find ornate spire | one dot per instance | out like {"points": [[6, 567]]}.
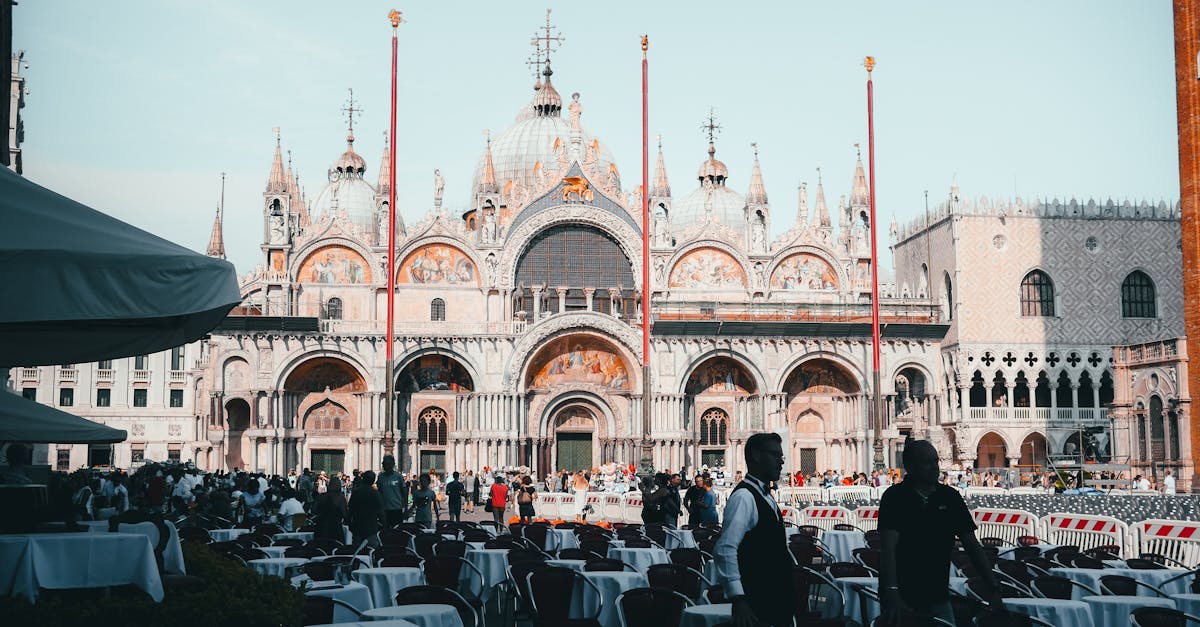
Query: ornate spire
{"points": [[487, 183], [758, 192], [546, 101], [822, 211], [712, 171], [860, 196], [294, 194], [383, 184], [277, 183], [802, 207], [216, 241], [660, 187]]}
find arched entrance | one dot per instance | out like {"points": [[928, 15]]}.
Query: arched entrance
{"points": [[827, 415], [574, 437], [991, 452], [1033, 450], [715, 390], [237, 420], [324, 397]]}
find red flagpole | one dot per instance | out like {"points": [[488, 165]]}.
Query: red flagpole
{"points": [[878, 395], [647, 459], [389, 438]]}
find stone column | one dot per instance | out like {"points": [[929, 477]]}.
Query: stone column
{"points": [[1074, 394], [587, 296], [562, 298], [537, 302]]}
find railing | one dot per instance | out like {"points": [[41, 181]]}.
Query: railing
{"points": [[372, 327], [1147, 352], [141, 376], [68, 375], [1036, 414], [30, 374], [106, 376], [794, 312], [177, 376]]}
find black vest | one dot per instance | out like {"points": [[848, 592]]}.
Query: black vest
{"points": [[765, 564]]}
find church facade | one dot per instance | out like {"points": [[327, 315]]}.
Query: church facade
{"points": [[519, 326]]}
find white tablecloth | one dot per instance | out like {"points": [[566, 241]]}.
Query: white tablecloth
{"points": [[274, 551], [561, 539], [1187, 603], [1055, 611], [583, 601], [383, 582], [365, 559], [1091, 578], [842, 544], [492, 564], [426, 615], [680, 539], [371, 623], [353, 593], [77, 560], [851, 607], [640, 559], [1113, 611], [172, 553], [225, 535], [275, 566], [706, 615], [576, 565], [303, 536], [1007, 552]]}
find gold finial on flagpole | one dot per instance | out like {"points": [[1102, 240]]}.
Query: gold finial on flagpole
{"points": [[645, 44], [394, 16], [869, 63]]}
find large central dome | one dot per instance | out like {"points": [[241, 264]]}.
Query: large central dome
{"points": [[533, 144]]}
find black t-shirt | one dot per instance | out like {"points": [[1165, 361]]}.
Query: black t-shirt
{"points": [[927, 530]]}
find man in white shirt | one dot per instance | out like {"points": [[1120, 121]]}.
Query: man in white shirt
{"points": [[288, 508], [1142, 483], [1169, 483], [753, 563]]}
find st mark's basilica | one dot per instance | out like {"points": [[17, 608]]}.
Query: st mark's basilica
{"points": [[1014, 330]]}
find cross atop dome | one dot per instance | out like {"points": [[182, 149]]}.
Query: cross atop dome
{"points": [[350, 110], [550, 40], [710, 127]]}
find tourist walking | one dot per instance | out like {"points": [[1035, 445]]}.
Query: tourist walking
{"points": [[454, 498], [753, 563], [330, 511], [366, 511], [671, 505], [425, 503], [471, 489], [394, 492], [580, 486], [525, 497], [498, 499], [918, 521]]}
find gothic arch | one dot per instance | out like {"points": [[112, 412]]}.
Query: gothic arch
{"points": [[521, 236], [465, 362], [545, 421], [352, 379], [1004, 436], [919, 367], [580, 359], [536, 335], [236, 373], [755, 374], [856, 374], [285, 370]]}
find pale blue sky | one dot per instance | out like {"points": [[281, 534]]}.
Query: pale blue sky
{"points": [[135, 107]]}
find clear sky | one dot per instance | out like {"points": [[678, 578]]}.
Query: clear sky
{"points": [[136, 107]]}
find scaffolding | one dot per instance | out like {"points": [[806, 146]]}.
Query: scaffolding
{"points": [[1091, 457]]}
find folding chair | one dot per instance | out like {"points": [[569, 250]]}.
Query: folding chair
{"points": [[650, 607], [687, 581], [1120, 585], [1055, 587], [1161, 617], [436, 595], [319, 610], [551, 590]]}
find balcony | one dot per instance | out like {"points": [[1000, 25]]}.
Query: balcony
{"points": [[177, 376], [141, 376], [106, 376], [425, 327], [68, 375], [890, 312], [1037, 415], [1138, 354], [31, 375]]}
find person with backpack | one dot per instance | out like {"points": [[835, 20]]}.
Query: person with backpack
{"points": [[498, 499], [525, 500], [454, 497]]}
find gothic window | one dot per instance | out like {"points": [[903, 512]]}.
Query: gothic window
{"points": [[437, 310], [1037, 295], [978, 393], [333, 309], [949, 296], [431, 427], [1137, 296], [327, 416], [714, 426]]}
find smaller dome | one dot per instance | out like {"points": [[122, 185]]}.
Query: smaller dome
{"points": [[350, 161], [712, 170]]}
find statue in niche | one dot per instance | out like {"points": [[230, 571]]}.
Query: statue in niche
{"points": [[491, 264], [660, 264], [439, 187], [661, 235], [758, 234], [490, 228], [761, 272], [278, 228]]}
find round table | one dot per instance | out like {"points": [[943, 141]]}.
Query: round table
{"points": [[274, 551], [1055, 611], [275, 566], [850, 606], [225, 535], [1113, 611], [610, 584], [492, 564], [30, 562], [706, 615], [639, 559], [353, 593], [680, 539], [305, 536], [421, 614], [576, 565], [842, 543], [1090, 577], [374, 623], [561, 539], [1187, 603], [383, 582]]}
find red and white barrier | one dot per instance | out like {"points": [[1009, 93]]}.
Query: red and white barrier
{"points": [[1006, 524], [795, 496], [548, 504], [866, 517], [1086, 531], [612, 508], [633, 507], [825, 516], [850, 493], [1176, 539]]}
